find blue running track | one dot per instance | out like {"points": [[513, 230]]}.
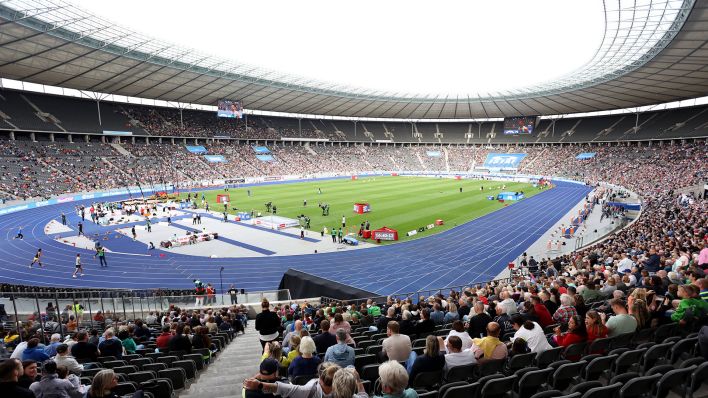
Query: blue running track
{"points": [[476, 251]]}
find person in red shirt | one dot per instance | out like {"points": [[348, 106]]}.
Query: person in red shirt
{"points": [[576, 333], [544, 317], [594, 327], [163, 340]]}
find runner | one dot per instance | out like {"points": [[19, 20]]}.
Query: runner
{"points": [[135, 235], [79, 269], [63, 219], [19, 234], [37, 259], [81, 228]]}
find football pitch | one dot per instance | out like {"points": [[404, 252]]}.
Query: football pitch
{"points": [[401, 203]]}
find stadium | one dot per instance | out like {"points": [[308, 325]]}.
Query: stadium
{"points": [[189, 218]]}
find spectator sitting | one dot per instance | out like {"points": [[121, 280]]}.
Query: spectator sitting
{"points": [[103, 382], [93, 338], [65, 359], [10, 372], [306, 363], [478, 322], [267, 373], [29, 375], [490, 347], [54, 341], [691, 305], [530, 331], [34, 352], [274, 351], [297, 331], [83, 351], [382, 323], [437, 316], [458, 329], [324, 339], [142, 333], [544, 316], [127, 341], [294, 351], [432, 359], [52, 385], [163, 340], [425, 325], [178, 342], [396, 347], [452, 314], [594, 326], [340, 353], [621, 322], [565, 311], [455, 355], [519, 346], [111, 346], [576, 334], [407, 325], [394, 381]]}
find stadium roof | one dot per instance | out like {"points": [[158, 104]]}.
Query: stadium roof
{"points": [[652, 52]]}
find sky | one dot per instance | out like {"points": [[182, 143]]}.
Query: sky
{"points": [[444, 48]]}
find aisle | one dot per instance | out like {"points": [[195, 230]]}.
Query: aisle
{"points": [[224, 377]]}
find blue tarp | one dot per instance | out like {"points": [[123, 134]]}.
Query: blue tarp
{"points": [[261, 149], [586, 155], [215, 158], [265, 158], [196, 149]]}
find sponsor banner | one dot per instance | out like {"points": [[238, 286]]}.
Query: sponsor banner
{"points": [[215, 158], [384, 141], [586, 155], [504, 160], [65, 200], [411, 233], [433, 154], [198, 149], [275, 178], [109, 132], [430, 226], [88, 196]]}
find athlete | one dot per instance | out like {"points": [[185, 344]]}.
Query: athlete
{"points": [[37, 259], [19, 234], [135, 235], [79, 269]]}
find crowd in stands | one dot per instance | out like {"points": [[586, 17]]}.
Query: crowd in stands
{"points": [[37, 362], [45, 169]]}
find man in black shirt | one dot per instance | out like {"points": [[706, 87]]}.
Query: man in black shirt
{"points": [[325, 339], [10, 371], [180, 342], [382, 323], [477, 327], [233, 292], [83, 351], [425, 325]]}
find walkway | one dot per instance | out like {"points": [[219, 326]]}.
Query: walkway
{"points": [[224, 377]]}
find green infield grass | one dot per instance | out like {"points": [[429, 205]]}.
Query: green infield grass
{"points": [[401, 203]]}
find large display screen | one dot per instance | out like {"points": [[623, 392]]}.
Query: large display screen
{"points": [[228, 108], [520, 124]]}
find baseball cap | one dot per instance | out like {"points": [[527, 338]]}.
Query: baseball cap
{"points": [[269, 366]]}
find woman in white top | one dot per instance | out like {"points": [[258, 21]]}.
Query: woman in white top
{"points": [[458, 329], [530, 331]]}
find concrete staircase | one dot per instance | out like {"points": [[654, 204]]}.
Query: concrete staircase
{"points": [[224, 377]]}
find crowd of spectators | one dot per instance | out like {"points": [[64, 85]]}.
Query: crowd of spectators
{"points": [[63, 358]]}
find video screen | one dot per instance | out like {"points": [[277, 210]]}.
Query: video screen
{"points": [[228, 108], [520, 124]]}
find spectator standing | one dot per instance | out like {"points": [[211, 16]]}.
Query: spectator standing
{"points": [[267, 324]]}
